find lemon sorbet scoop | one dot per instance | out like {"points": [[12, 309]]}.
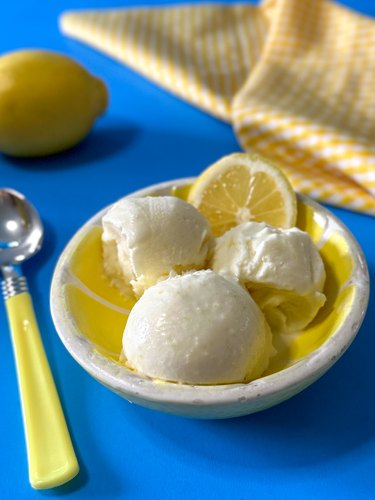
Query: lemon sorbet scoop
{"points": [[149, 238], [281, 268], [197, 328]]}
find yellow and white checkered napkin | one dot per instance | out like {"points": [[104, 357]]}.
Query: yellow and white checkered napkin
{"points": [[296, 79]]}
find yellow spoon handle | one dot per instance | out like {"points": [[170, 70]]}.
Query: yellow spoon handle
{"points": [[51, 457]]}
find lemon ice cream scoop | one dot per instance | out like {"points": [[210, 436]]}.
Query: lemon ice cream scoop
{"points": [[282, 269], [197, 328], [149, 238]]}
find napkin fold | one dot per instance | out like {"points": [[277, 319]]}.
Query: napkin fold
{"points": [[295, 79]]}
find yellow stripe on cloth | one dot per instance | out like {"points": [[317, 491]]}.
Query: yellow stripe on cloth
{"points": [[296, 80], [191, 51]]}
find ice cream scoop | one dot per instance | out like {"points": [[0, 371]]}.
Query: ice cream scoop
{"points": [[146, 239], [282, 269], [197, 328]]}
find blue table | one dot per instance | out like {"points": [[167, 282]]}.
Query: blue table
{"points": [[318, 445]]}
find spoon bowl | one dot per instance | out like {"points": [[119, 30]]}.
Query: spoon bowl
{"points": [[21, 230]]}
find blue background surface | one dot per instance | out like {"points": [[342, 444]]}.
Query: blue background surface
{"points": [[318, 445]]}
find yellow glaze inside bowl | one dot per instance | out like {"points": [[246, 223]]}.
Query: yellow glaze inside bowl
{"points": [[100, 312]]}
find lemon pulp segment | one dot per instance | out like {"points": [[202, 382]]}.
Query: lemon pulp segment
{"points": [[244, 187]]}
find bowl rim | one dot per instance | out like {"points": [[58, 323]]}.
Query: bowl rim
{"points": [[137, 387]]}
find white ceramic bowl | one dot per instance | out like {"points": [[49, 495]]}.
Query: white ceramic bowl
{"points": [[89, 319]]}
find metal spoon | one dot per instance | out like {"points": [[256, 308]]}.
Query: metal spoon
{"points": [[51, 457]]}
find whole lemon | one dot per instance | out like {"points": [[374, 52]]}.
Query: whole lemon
{"points": [[48, 102]]}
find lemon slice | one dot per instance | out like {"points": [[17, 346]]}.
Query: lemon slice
{"points": [[244, 187]]}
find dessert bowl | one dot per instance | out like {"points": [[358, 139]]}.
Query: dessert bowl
{"points": [[90, 316]]}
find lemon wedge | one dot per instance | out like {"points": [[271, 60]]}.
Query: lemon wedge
{"points": [[244, 187]]}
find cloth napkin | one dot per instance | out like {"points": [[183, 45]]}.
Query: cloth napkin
{"points": [[296, 79]]}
